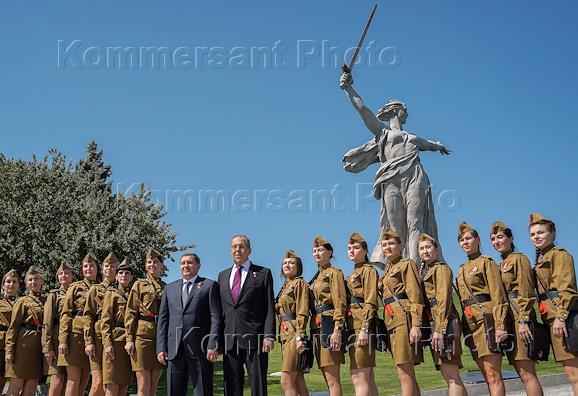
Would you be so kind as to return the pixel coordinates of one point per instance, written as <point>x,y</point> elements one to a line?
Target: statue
<point>401,182</point>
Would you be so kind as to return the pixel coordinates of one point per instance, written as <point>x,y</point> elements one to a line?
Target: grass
<point>385,374</point>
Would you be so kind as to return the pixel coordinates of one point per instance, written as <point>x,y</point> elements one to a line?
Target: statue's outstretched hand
<point>445,151</point>
<point>345,81</point>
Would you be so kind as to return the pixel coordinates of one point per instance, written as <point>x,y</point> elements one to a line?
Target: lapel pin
<point>254,274</point>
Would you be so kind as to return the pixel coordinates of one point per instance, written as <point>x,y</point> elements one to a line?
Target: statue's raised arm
<point>369,118</point>
<point>401,183</point>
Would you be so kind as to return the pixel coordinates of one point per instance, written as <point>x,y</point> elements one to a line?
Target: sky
<point>232,114</point>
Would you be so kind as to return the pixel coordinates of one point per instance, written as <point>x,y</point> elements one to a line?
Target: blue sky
<point>496,82</point>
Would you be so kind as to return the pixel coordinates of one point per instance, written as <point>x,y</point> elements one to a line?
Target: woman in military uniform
<point>116,367</point>
<point>92,322</point>
<point>71,352</point>
<point>24,360</point>
<point>481,291</point>
<point>437,281</point>
<point>142,308</point>
<point>293,312</point>
<point>330,300</point>
<point>52,312</point>
<point>402,296</point>
<point>10,288</point>
<point>362,287</point>
<point>556,281</point>
<point>518,280</point>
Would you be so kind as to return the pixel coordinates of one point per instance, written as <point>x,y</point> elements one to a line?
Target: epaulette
<point>561,249</point>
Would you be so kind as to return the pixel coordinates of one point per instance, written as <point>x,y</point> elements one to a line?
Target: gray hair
<point>246,238</point>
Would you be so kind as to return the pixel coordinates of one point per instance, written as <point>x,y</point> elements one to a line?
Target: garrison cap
<point>390,233</point>
<point>152,254</point>
<point>464,227</point>
<point>497,227</point>
<point>320,241</point>
<point>111,259</point>
<point>356,238</point>
<point>89,258</point>
<point>124,266</point>
<point>536,217</point>
<point>426,237</point>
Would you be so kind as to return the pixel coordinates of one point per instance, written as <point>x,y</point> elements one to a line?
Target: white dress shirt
<point>190,284</point>
<point>244,268</point>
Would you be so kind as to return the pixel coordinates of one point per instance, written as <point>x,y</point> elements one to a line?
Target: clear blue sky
<point>495,81</point>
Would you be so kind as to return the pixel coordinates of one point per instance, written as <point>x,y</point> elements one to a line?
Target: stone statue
<point>401,182</point>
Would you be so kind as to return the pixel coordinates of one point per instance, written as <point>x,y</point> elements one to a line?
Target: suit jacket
<point>195,326</point>
<point>252,318</point>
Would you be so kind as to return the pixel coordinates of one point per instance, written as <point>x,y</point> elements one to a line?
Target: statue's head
<point>393,108</point>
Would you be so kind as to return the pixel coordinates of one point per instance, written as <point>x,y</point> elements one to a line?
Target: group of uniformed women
<point>105,330</point>
<point>497,304</point>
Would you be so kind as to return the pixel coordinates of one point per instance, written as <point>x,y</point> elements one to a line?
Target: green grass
<point>385,374</point>
<point>387,382</point>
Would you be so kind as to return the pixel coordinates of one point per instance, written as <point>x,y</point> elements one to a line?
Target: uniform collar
<point>358,265</point>
<point>547,249</point>
<point>397,260</point>
<point>505,255</point>
<point>474,256</point>
<point>323,268</point>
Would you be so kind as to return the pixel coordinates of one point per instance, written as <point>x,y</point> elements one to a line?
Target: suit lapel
<point>194,289</point>
<point>225,283</point>
<point>248,282</point>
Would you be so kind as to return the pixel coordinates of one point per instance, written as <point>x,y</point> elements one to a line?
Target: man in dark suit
<point>249,318</point>
<point>188,329</point>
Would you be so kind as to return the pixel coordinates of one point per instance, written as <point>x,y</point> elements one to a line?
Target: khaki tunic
<point>52,313</point>
<point>25,345</point>
<point>293,298</point>
<point>71,329</point>
<point>483,277</point>
<point>92,321</point>
<point>518,277</point>
<point>6,306</point>
<point>119,370</point>
<point>401,276</point>
<point>328,287</point>
<point>437,284</point>
<point>362,283</point>
<point>142,308</point>
<point>555,271</point>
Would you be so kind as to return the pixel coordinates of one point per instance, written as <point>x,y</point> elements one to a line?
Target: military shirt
<point>144,300</point>
<point>329,288</point>
<point>401,276</point>
<point>438,285</point>
<point>518,277</point>
<point>28,309</point>
<point>113,311</point>
<point>482,274</point>
<point>52,313</point>
<point>555,271</point>
<point>362,283</point>
<point>293,298</point>
<point>6,306</point>
<point>72,319</point>
<point>92,310</point>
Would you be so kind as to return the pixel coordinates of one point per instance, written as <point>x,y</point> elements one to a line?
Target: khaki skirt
<point>456,358</point>
<point>401,350</point>
<point>145,355</point>
<point>28,360</point>
<point>96,359</point>
<point>76,356</point>
<point>560,353</point>
<point>119,370</point>
<point>290,355</point>
<point>475,338</point>
<point>361,357</point>
<point>324,356</point>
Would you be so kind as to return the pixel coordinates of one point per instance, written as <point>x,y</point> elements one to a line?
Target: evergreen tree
<point>53,210</point>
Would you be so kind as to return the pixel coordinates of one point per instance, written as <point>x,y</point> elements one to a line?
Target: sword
<point>347,68</point>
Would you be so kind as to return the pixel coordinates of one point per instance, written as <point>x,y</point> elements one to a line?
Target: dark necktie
<point>236,284</point>
<point>185,293</point>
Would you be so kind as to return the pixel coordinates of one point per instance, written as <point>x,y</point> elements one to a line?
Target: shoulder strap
<point>545,290</point>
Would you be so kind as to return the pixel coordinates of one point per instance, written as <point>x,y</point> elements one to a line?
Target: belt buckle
<point>39,328</point>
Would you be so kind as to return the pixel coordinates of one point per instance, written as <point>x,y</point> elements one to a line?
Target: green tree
<point>54,210</point>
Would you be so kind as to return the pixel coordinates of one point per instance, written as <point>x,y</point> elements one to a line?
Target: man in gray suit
<point>188,329</point>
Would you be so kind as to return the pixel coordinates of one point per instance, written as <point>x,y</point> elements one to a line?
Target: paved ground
<point>560,390</point>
